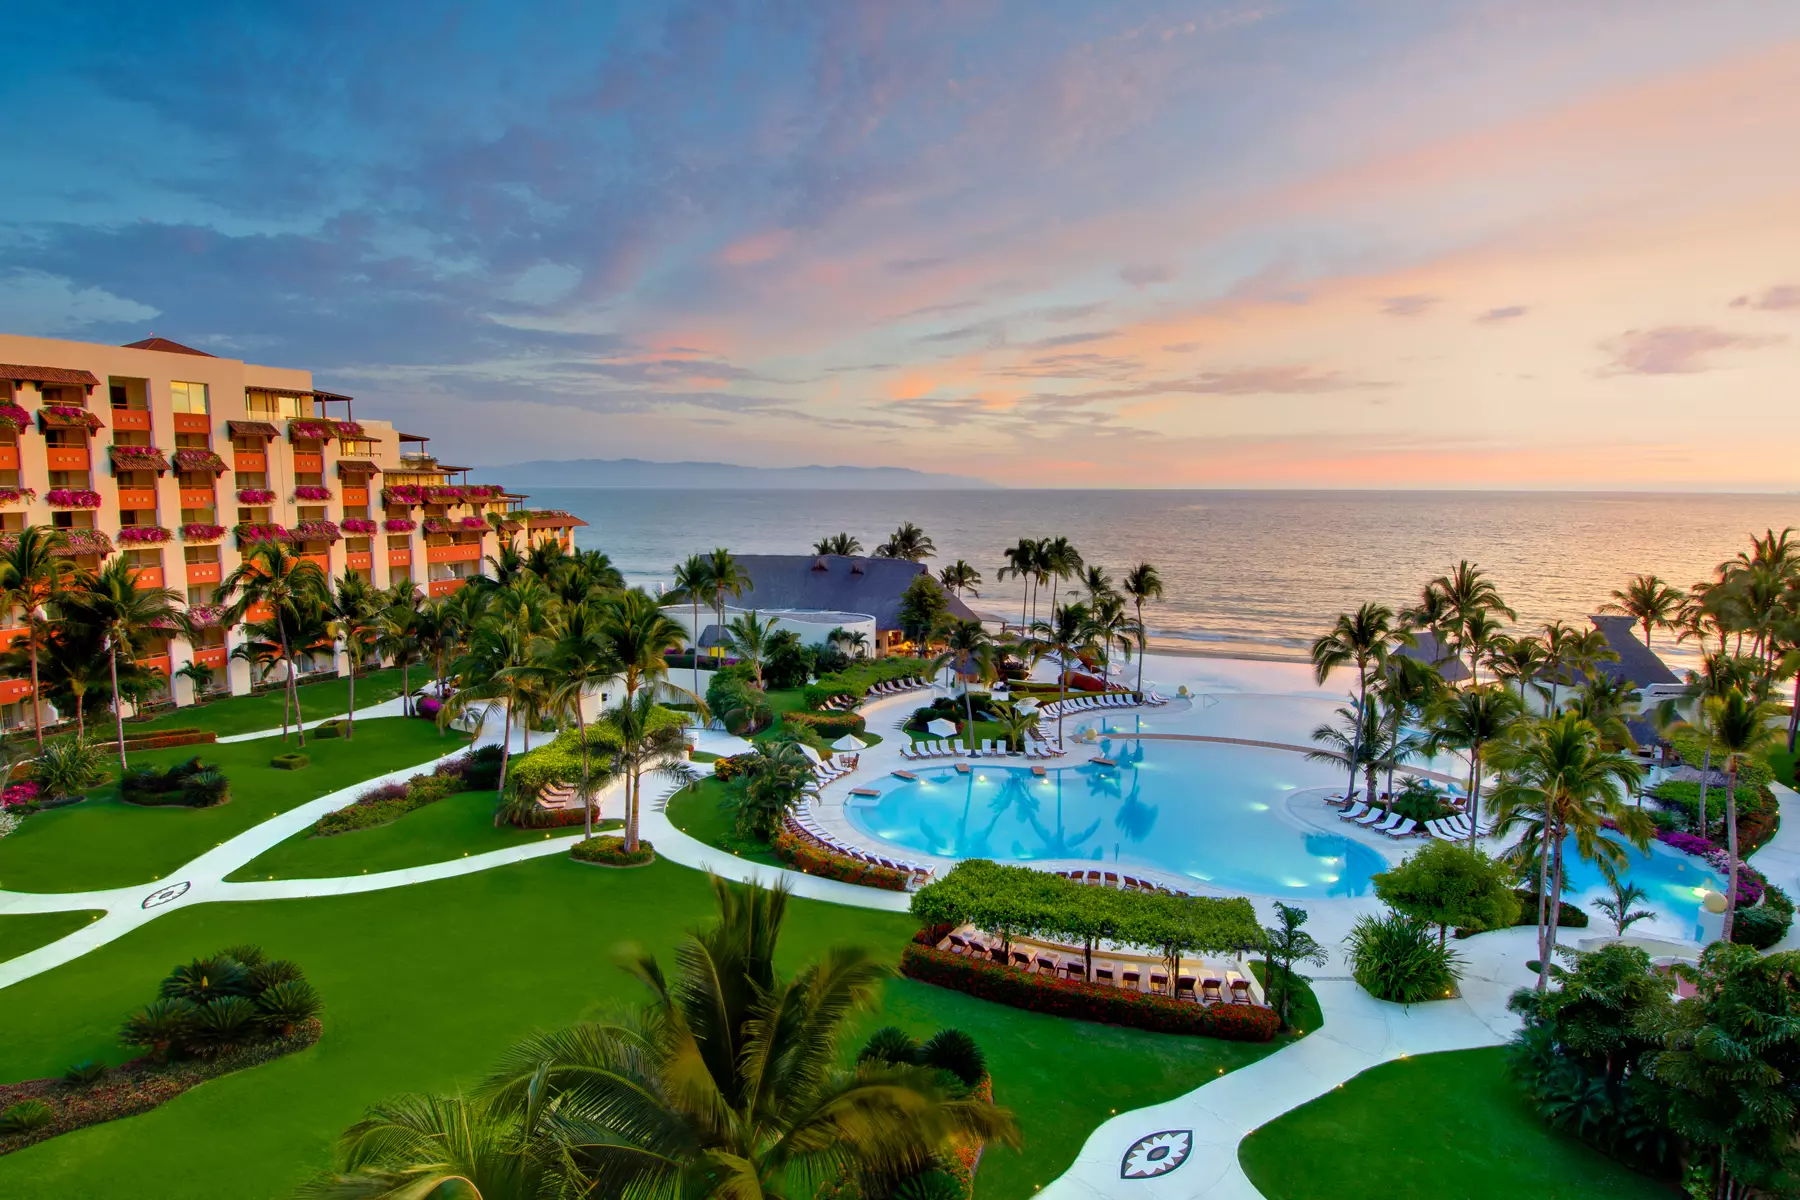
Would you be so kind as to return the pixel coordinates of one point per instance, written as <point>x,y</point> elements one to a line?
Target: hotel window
<point>131,394</point>
<point>199,516</point>
<point>356,448</point>
<point>311,512</point>
<point>11,479</point>
<point>144,560</point>
<point>12,522</point>
<point>73,397</point>
<point>79,519</point>
<point>399,541</point>
<point>196,555</point>
<point>137,516</point>
<point>193,441</point>
<point>71,479</point>
<point>188,397</point>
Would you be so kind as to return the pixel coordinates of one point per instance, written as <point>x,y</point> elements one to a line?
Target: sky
<point>1380,243</point>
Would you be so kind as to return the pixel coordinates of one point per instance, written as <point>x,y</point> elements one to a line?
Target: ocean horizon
<point>1248,573</point>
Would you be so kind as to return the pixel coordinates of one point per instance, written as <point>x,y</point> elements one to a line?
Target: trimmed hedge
<point>333,728</point>
<point>190,784</point>
<point>167,739</point>
<point>812,859</point>
<point>608,850</point>
<point>826,724</point>
<point>855,681</point>
<point>290,762</point>
<point>1080,1001</point>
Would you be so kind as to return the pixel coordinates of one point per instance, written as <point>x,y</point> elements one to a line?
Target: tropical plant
<point>1356,743</point>
<point>159,1027</point>
<point>693,579</point>
<point>1469,598</point>
<point>728,579</point>
<point>282,1006</point>
<point>1741,726</point>
<point>223,1025</point>
<point>1069,631</point>
<point>923,607</point>
<point>1285,945</point>
<point>1469,719</point>
<point>969,652</point>
<point>773,781</point>
<point>1647,600</point>
<point>1362,639</point>
<point>908,542</point>
<point>68,768</point>
<point>125,615</point>
<point>398,626</point>
<point>1447,884</point>
<point>1618,906</point>
<point>1021,563</point>
<point>1141,585</point>
<point>33,571</point>
<point>650,741</point>
<point>748,639</point>
<point>291,586</point>
<point>1558,781</point>
<point>25,1116</point>
<point>959,578</point>
<point>350,616</point>
<point>838,543</point>
<point>1394,957</point>
<point>198,674</point>
<point>573,660</point>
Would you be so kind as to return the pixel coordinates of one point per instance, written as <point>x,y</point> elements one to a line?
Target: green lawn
<point>21,933</point>
<point>1430,1127</point>
<point>252,714</point>
<point>1782,763</point>
<point>455,826</point>
<point>103,842</point>
<point>699,812</point>
<point>425,985</point>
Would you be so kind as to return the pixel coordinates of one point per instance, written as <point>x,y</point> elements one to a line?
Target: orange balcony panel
<point>309,462</point>
<point>9,457</point>
<point>360,560</point>
<point>356,495</point>
<point>259,612</point>
<point>131,418</point>
<point>14,689</point>
<point>453,553</point>
<point>156,662</point>
<point>443,587</point>
<point>202,573</point>
<point>249,460</point>
<point>66,458</point>
<point>148,577</point>
<point>9,636</point>
<point>193,423</point>
<point>321,561</point>
<point>213,657</point>
<point>137,497</point>
<point>197,497</point>
<point>399,558</point>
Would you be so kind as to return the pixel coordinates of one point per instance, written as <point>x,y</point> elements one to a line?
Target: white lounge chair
<point>1354,811</point>
<point>1405,828</point>
<point>1393,820</point>
<point>1372,816</point>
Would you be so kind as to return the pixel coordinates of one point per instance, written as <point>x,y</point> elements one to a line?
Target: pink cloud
<point>1675,349</point>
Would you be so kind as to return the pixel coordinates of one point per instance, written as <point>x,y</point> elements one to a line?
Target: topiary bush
<point>1397,958</point>
<point>222,1004</point>
<point>609,851</point>
<point>290,762</point>
<point>333,728</point>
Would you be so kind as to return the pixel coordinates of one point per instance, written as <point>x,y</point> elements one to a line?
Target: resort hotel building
<point>182,461</point>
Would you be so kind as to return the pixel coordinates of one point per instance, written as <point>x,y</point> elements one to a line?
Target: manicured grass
<point>21,933</point>
<point>252,714</point>
<point>785,700</point>
<point>1432,1126</point>
<point>700,813</point>
<point>1782,763</point>
<point>452,827</point>
<point>104,843</point>
<point>424,986</point>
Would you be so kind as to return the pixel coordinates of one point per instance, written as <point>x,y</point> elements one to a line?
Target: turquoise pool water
<point>1212,813</point>
<point>1673,880</point>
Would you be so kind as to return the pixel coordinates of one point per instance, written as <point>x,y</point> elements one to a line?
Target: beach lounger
<point>1131,981</point>
<point>989,748</point>
<point>1405,828</point>
<point>1354,811</point>
<point>1046,965</point>
<point>1393,820</point>
<point>1211,990</point>
<point>1372,816</point>
<point>1240,990</point>
<point>1159,984</point>
<point>1184,986</point>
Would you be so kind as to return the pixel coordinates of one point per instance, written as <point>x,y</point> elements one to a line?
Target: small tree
<point>1617,907</point>
<point>923,606</point>
<point>1286,944</point>
<point>1447,884</point>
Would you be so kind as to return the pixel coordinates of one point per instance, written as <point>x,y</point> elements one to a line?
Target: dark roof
<point>834,583</point>
<point>1643,731</point>
<point>1430,650</point>
<point>357,467</point>
<point>1637,665</point>
<point>711,636</point>
<point>260,429</point>
<point>334,396</point>
<point>21,374</point>
<point>164,344</point>
<point>269,389</point>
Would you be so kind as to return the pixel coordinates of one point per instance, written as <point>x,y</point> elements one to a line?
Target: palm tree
<point>1558,780</point>
<point>693,579</point>
<point>838,543</point>
<point>749,639</point>
<point>638,634</point>
<point>649,741</point>
<point>271,574</point>
<point>488,673</point>
<point>1718,676</point>
<point>727,579</point>
<point>1467,590</point>
<point>350,614</point>
<point>1021,563</point>
<point>908,542</point>
<point>970,652</point>
<point>397,639</point>
<point>1741,725</point>
<point>1060,559</point>
<point>1097,583</point>
<point>33,570</point>
<point>1363,638</point>
<point>1648,599</point>
<point>1477,633</point>
<point>573,659</point>
<point>1069,631</point>
<point>959,577</point>
<point>1518,659</point>
<point>1113,627</point>
<point>1469,719</point>
<point>1569,652</point>
<point>1142,584</point>
<point>1351,742</point>
<point>1605,704</point>
<point>198,674</point>
<point>124,614</point>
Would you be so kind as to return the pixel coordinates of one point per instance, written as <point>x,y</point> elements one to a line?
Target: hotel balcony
<point>453,552</point>
<point>148,577</point>
<point>308,463</point>
<point>193,423</point>
<point>202,572</point>
<point>142,498</point>
<point>399,558</point>
<point>249,462</point>
<point>131,418</point>
<point>156,662</point>
<point>211,656</point>
<point>14,689</point>
<point>9,457</point>
<point>67,458</point>
<point>443,587</point>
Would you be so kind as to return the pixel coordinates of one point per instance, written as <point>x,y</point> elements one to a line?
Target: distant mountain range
<point>640,473</point>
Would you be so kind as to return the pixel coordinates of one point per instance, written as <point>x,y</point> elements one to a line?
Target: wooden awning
<point>192,458</point>
<point>247,429</point>
<point>552,519</point>
<point>356,468</point>
<point>138,458</point>
<point>270,390</point>
<point>60,417</point>
<point>58,375</point>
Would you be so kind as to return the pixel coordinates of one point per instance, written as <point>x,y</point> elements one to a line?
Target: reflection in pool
<point>1209,812</point>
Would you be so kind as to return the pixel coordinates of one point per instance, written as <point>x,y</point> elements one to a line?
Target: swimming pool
<point>1212,813</point>
<point>1674,882</point>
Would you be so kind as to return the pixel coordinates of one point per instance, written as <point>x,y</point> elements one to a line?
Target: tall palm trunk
<point>587,795</point>
<point>293,685</point>
<point>1705,774</point>
<point>1142,638</point>
<point>350,721</point>
<point>1731,844</point>
<point>37,712</point>
<point>1023,597</point>
<point>505,748</point>
<point>112,657</point>
<point>1549,900</point>
<point>969,712</point>
<point>405,686</point>
<point>1362,699</point>
<point>696,648</point>
<point>1793,710</point>
<point>1474,793</point>
<point>631,809</point>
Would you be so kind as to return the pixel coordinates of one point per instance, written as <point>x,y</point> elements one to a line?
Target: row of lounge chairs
<point>803,826</point>
<point>1092,703</point>
<point>1115,879</point>
<point>890,687</point>
<point>932,749</point>
<point>1040,749</point>
<point>1456,827</point>
<point>1379,820</point>
<point>1205,989</point>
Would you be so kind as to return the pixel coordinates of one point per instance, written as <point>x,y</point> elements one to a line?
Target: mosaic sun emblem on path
<point>162,896</point>
<point>1156,1154</point>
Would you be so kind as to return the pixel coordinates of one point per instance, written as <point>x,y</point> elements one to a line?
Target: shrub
<point>85,1072</point>
<point>813,859</point>
<point>1447,883</point>
<point>826,724</point>
<point>481,770</point>
<point>386,803</point>
<point>1396,958</point>
<point>290,762</point>
<point>207,979</point>
<point>223,1025</point>
<point>890,1044</point>
<point>265,975</point>
<point>26,1116</point>
<point>168,738</point>
<point>954,1051</point>
<point>1759,927</point>
<point>205,789</point>
<point>1567,917</point>
<point>730,766</point>
<point>856,680</point>
<point>740,705</point>
<point>159,1027</point>
<point>931,1185</point>
<point>288,1004</point>
<point>609,850</point>
<point>333,728</point>
<point>1081,1001</point>
<point>67,769</point>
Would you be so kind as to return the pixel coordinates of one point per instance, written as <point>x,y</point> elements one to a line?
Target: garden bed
<point>811,859</point>
<point>609,851</point>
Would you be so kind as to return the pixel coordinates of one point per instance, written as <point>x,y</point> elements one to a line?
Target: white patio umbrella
<point>850,742</point>
<point>810,752</point>
<point>941,728</point>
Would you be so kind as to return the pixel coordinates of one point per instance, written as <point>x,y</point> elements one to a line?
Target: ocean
<point>1256,574</point>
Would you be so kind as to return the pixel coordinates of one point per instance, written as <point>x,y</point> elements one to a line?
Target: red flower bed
<point>192,458</point>
<point>143,534</point>
<point>200,532</point>
<point>399,525</point>
<point>403,493</point>
<point>474,523</point>
<point>255,496</point>
<point>306,429</point>
<point>14,416</point>
<point>73,498</point>
<point>987,980</point>
<point>13,495</point>
<point>312,491</point>
<point>812,859</point>
<point>357,525</point>
<point>350,429</point>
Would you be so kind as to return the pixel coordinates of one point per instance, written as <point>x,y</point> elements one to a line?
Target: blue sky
<point>1501,244</point>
